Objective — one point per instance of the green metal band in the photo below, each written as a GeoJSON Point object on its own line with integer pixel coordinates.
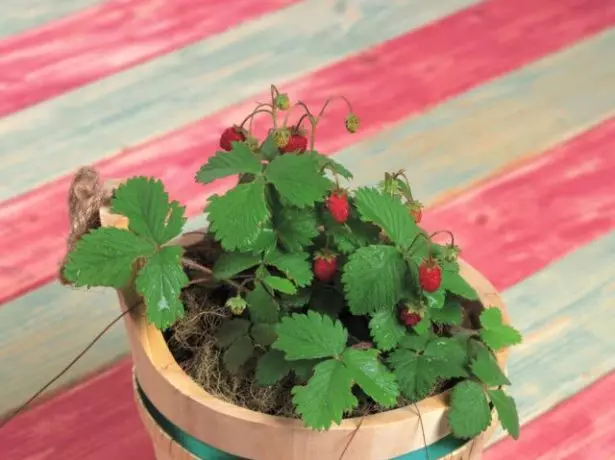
{"type": "Point", "coordinates": [203, 451]}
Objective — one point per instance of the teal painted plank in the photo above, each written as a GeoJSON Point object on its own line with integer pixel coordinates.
{"type": "Point", "coordinates": [98, 120]}
{"type": "Point", "coordinates": [454, 144]}
{"type": "Point", "coordinates": [567, 315]}
{"type": "Point", "coordinates": [18, 16]}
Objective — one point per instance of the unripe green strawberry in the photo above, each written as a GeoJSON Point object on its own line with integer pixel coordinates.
{"type": "Point", "coordinates": [281, 136]}
{"type": "Point", "coordinates": [352, 123]}
{"type": "Point", "coordinates": [282, 102]}
{"type": "Point", "coordinates": [237, 305]}
{"type": "Point", "coordinates": [451, 252]}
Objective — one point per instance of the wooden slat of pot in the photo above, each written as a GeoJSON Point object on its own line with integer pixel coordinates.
{"type": "Point", "coordinates": [217, 423]}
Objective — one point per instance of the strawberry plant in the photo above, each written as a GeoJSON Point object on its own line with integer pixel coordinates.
{"type": "Point", "coordinates": [335, 287]}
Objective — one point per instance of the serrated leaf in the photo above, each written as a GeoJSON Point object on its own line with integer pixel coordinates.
{"type": "Point", "coordinates": [271, 368]}
{"type": "Point", "coordinates": [327, 395]}
{"type": "Point", "coordinates": [451, 357]}
{"type": "Point", "coordinates": [264, 334]}
{"type": "Point", "coordinates": [325, 162]}
{"type": "Point", "coordinates": [280, 284]}
{"type": "Point", "coordinates": [230, 264]}
{"type": "Point", "coordinates": [450, 314]}
{"type": "Point", "coordinates": [160, 282]}
{"type": "Point", "coordinates": [262, 307]}
{"type": "Point", "coordinates": [507, 411]}
{"type": "Point", "coordinates": [105, 257]}
{"type": "Point", "coordinates": [372, 376]}
{"type": "Point", "coordinates": [494, 332]}
{"type": "Point", "coordinates": [231, 330]}
{"type": "Point", "coordinates": [386, 329]}
{"type": "Point", "coordinates": [435, 300]}
{"type": "Point", "coordinates": [389, 213]}
{"type": "Point", "coordinates": [469, 414]}
{"type": "Point", "coordinates": [373, 279]}
{"type": "Point", "coordinates": [310, 336]}
{"type": "Point", "coordinates": [238, 354]}
{"type": "Point", "coordinates": [296, 228]}
{"type": "Point", "coordinates": [297, 179]}
{"type": "Point", "coordinates": [266, 241]}
{"type": "Point", "coordinates": [486, 368]}
{"type": "Point", "coordinates": [240, 160]}
{"type": "Point", "coordinates": [238, 216]}
{"type": "Point", "coordinates": [304, 368]}
{"type": "Point", "coordinates": [146, 205]}
{"type": "Point", "coordinates": [294, 265]}
{"type": "Point", "coordinates": [455, 284]}
{"type": "Point", "coordinates": [300, 299]}
{"type": "Point", "coordinates": [413, 374]}
{"type": "Point", "coordinates": [423, 327]}
{"type": "Point", "coordinates": [414, 342]}
{"type": "Point", "coordinates": [352, 235]}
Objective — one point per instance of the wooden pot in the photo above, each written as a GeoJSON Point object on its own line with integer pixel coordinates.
{"type": "Point", "coordinates": [167, 397]}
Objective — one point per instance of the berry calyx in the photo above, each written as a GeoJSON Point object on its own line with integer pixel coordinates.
{"type": "Point", "coordinates": [297, 142]}
{"type": "Point", "coordinates": [451, 252]}
{"type": "Point", "coordinates": [409, 318]}
{"type": "Point", "coordinates": [230, 135]}
{"type": "Point", "coordinates": [237, 305]}
{"type": "Point", "coordinates": [281, 137]}
{"type": "Point", "coordinates": [430, 275]}
{"type": "Point", "coordinates": [416, 211]}
{"type": "Point", "coordinates": [352, 123]}
{"type": "Point", "coordinates": [337, 204]}
{"type": "Point", "coordinates": [282, 101]}
{"type": "Point", "coordinates": [325, 265]}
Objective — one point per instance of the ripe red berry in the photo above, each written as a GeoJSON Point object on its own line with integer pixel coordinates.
{"type": "Point", "coordinates": [297, 142]}
{"type": "Point", "coordinates": [409, 318]}
{"type": "Point", "coordinates": [430, 275]}
{"type": "Point", "coordinates": [416, 211]}
{"type": "Point", "coordinates": [337, 204]}
{"type": "Point", "coordinates": [229, 135]}
{"type": "Point", "coordinates": [325, 266]}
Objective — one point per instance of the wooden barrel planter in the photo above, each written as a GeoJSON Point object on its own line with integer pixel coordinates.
{"type": "Point", "coordinates": [186, 422]}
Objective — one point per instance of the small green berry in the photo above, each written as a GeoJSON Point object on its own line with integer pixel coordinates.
{"type": "Point", "coordinates": [282, 102]}
{"type": "Point", "coordinates": [352, 123]}
{"type": "Point", "coordinates": [237, 305]}
{"type": "Point", "coordinates": [281, 137]}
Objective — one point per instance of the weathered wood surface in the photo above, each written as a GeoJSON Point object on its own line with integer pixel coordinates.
{"type": "Point", "coordinates": [502, 112]}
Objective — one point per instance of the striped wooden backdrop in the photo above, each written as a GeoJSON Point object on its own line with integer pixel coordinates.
{"type": "Point", "coordinates": [502, 112]}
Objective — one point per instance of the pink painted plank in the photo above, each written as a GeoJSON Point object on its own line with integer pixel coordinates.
{"type": "Point", "coordinates": [580, 428]}
{"type": "Point", "coordinates": [505, 27]}
{"type": "Point", "coordinates": [97, 42]}
{"type": "Point", "coordinates": [566, 188]}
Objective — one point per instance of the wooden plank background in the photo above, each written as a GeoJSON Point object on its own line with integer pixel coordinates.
{"type": "Point", "coordinates": [502, 112]}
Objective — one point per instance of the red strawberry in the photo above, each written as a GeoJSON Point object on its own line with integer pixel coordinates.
{"type": "Point", "coordinates": [416, 211]}
{"type": "Point", "coordinates": [297, 142]}
{"type": "Point", "coordinates": [325, 265]}
{"type": "Point", "coordinates": [229, 135]}
{"type": "Point", "coordinates": [430, 275]}
{"type": "Point", "coordinates": [337, 204]}
{"type": "Point", "coordinates": [409, 318]}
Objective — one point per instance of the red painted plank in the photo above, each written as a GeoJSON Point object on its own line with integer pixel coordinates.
{"type": "Point", "coordinates": [580, 428]}
{"type": "Point", "coordinates": [92, 44]}
{"type": "Point", "coordinates": [568, 188]}
{"type": "Point", "coordinates": [505, 27]}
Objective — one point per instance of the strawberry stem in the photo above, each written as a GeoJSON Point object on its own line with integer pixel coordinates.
{"type": "Point", "coordinates": [207, 271]}
{"type": "Point", "coordinates": [322, 111]}
{"type": "Point", "coordinates": [255, 112]}
{"type": "Point", "coordinates": [448, 232]}
{"type": "Point", "coordinates": [274, 94]}
{"type": "Point", "coordinates": [402, 173]}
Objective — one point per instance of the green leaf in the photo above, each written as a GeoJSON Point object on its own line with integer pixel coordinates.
{"type": "Point", "coordinates": [507, 411]}
{"type": "Point", "coordinates": [160, 282]}
{"type": "Point", "coordinates": [294, 265]}
{"type": "Point", "coordinates": [263, 308]}
{"type": "Point", "coordinates": [231, 330]}
{"type": "Point", "coordinates": [424, 325]}
{"type": "Point", "coordinates": [105, 257]}
{"type": "Point", "coordinates": [309, 336]}
{"type": "Point", "coordinates": [486, 368]}
{"type": "Point", "coordinates": [266, 241]}
{"type": "Point", "coordinates": [372, 376]}
{"type": "Point", "coordinates": [146, 205]}
{"type": "Point", "coordinates": [240, 160]}
{"type": "Point", "coordinates": [387, 212]}
{"type": "Point", "coordinates": [494, 332]}
{"type": "Point", "coordinates": [352, 235]}
{"type": "Point", "coordinates": [271, 368]}
{"type": "Point", "coordinates": [304, 368]}
{"type": "Point", "coordinates": [264, 334]}
{"type": "Point", "coordinates": [469, 414]}
{"type": "Point", "coordinates": [327, 395]}
{"type": "Point", "coordinates": [455, 284]}
{"type": "Point", "coordinates": [414, 342]}
{"type": "Point", "coordinates": [450, 355]}
{"type": "Point", "coordinates": [414, 375]}
{"type": "Point", "coordinates": [296, 228]}
{"type": "Point", "coordinates": [435, 300]}
{"type": "Point", "coordinates": [269, 148]}
{"type": "Point", "coordinates": [230, 264]}
{"type": "Point", "coordinates": [280, 284]}
{"type": "Point", "coordinates": [238, 354]}
{"type": "Point", "coordinates": [237, 217]}
{"type": "Point", "coordinates": [386, 329]}
{"type": "Point", "coordinates": [450, 314]}
{"type": "Point", "coordinates": [297, 179]}
{"type": "Point", "coordinates": [325, 162]}
{"type": "Point", "coordinates": [373, 279]}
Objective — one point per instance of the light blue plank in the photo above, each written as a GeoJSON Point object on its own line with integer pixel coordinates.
{"type": "Point", "coordinates": [125, 109]}
{"type": "Point", "coordinates": [20, 15]}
